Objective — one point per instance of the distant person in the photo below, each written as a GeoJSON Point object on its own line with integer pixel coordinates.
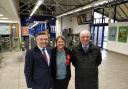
{"type": "Point", "coordinates": [22, 46]}
{"type": "Point", "coordinates": [37, 64]}
{"type": "Point", "coordinates": [87, 59]}
{"type": "Point", "coordinates": [60, 65]}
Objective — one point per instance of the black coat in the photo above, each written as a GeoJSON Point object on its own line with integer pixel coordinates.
{"type": "Point", "coordinates": [37, 71]}
{"type": "Point", "coordinates": [86, 67]}
{"type": "Point", "coordinates": [54, 66]}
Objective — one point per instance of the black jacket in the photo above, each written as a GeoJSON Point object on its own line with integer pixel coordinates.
{"type": "Point", "coordinates": [86, 66]}
{"type": "Point", "coordinates": [37, 71]}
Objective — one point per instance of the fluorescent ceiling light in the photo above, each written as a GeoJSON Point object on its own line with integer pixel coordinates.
{"type": "Point", "coordinates": [3, 18]}
{"type": "Point", "coordinates": [100, 2]}
{"type": "Point", "coordinates": [86, 7]}
{"type": "Point", "coordinates": [76, 10]}
{"type": "Point", "coordinates": [1, 15]}
{"type": "Point", "coordinates": [39, 2]}
{"type": "Point", "coordinates": [36, 7]}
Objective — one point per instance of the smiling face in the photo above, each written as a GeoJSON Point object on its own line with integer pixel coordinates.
{"type": "Point", "coordinates": [85, 37]}
{"type": "Point", "coordinates": [60, 43]}
{"type": "Point", "coordinates": [42, 40]}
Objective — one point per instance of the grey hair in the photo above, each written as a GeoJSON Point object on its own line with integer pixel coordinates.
{"type": "Point", "coordinates": [85, 31]}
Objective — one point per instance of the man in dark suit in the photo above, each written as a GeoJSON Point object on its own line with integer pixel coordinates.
{"type": "Point", "coordinates": [87, 58]}
{"type": "Point", "coordinates": [37, 64]}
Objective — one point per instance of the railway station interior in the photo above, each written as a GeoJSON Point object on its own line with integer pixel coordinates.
{"type": "Point", "coordinates": [107, 21]}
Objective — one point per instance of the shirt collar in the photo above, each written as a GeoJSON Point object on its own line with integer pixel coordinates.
{"type": "Point", "coordinates": [85, 46]}
{"type": "Point", "coordinates": [40, 48]}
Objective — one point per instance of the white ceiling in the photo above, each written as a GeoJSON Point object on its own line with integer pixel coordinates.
{"type": "Point", "coordinates": [9, 9]}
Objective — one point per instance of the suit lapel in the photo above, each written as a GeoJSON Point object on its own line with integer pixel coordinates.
{"type": "Point", "coordinates": [40, 55]}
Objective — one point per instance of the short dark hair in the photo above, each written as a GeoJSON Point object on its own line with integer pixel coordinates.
{"type": "Point", "coordinates": [41, 33]}
{"type": "Point", "coordinates": [62, 37]}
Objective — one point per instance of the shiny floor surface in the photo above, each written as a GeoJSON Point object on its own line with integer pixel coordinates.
{"type": "Point", "coordinates": [113, 72]}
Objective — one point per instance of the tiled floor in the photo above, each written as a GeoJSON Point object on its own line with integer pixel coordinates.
{"type": "Point", "coordinates": [11, 71]}
{"type": "Point", "coordinates": [113, 72]}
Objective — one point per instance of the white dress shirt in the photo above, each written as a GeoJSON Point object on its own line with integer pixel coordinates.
{"type": "Point", "coordinates": [46, 52]}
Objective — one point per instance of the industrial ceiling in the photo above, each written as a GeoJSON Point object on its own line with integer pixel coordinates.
{"type": "Point", "coordinates": [13, 9]}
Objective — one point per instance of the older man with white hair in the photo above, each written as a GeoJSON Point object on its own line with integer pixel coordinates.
{"type": "Point", "coordinates": [87, 58]}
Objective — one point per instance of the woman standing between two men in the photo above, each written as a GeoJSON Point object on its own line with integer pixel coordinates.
{"type": "Point", "coordinates": [60, 64]}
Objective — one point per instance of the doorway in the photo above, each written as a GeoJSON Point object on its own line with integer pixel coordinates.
{"type": "Point", "coordinates": [99, 34]}
{"type": "Point", "coordinates": [5, 42]}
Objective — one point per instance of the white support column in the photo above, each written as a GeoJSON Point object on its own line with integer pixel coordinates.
{"type": "Point", "coordinates": [58, 27]}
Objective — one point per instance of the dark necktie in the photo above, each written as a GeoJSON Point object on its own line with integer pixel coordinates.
{"type": "Point", "coordinates": [45, 56]}
{"type": "Point", "coordinates": [85, 49]}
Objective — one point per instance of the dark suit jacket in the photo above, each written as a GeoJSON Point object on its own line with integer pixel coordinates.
{"type": "Point", "coordinates": [37, 71]}
{"type": "Point", "coordinates": [54, 66]}
{"type": "Point", "coordinates": [86, 66]}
